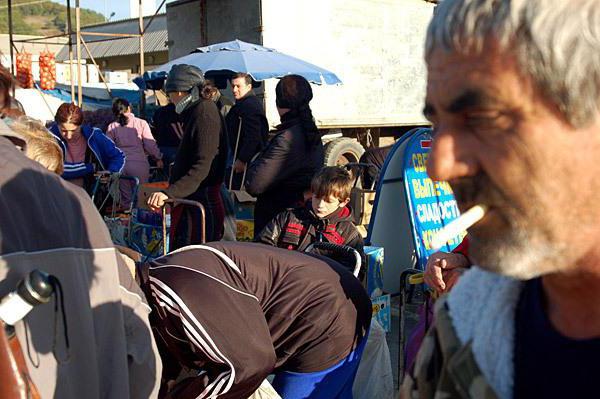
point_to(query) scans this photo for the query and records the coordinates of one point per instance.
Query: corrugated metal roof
(154, 39)
(153, 42)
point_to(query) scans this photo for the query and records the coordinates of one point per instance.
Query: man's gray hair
(556, 42)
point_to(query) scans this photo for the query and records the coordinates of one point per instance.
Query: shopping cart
(150, 233)
(106, 196)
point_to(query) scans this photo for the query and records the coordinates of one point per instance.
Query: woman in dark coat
(199, 165)
(280, 177)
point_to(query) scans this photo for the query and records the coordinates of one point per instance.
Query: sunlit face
(499, 142)
(176, 96)
(240, 88)
(323, 207)
(69, 131)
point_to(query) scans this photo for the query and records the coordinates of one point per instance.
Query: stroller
(107, 198)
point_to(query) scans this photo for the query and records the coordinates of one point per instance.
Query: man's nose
(450, 158)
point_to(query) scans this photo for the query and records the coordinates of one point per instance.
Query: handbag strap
(237, 143)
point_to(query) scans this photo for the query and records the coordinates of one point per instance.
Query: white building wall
(148, 8)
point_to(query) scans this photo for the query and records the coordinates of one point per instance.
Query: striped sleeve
(78, 169)
(214, 381)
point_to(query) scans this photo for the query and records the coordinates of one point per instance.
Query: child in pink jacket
(132, 135)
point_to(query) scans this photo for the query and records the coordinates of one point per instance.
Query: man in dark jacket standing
(246, 119)
(200, 161)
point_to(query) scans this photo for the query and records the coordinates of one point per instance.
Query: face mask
(187, 100)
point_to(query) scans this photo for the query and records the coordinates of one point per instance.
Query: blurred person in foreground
(9, 106)
(98, 343)
(40, 146)
(513, 93)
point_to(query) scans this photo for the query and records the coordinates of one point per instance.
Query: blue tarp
(133, 96)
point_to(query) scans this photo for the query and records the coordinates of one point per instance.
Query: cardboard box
(382, 311)
(375, 256)
(244, 210)
(117, 76)
(245, 230)
(93, 74)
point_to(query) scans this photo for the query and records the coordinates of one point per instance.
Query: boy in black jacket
(325, 218)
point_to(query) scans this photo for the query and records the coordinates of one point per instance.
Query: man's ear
(344, 203)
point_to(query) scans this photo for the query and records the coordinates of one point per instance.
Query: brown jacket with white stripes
(236, 312)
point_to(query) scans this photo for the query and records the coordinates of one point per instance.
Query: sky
(106, 7)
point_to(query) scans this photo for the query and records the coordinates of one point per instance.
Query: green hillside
(42, 17)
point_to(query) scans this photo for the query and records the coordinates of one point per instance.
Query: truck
(375, 47)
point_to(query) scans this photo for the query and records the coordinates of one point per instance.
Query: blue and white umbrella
(258, 61)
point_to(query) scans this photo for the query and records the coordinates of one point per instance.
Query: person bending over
(233, 313)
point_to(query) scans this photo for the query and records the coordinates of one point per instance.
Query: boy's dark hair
(247, 78)
(332, 180)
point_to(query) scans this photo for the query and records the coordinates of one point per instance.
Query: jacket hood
(86, 131)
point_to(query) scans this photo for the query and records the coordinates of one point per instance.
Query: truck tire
(342, 151)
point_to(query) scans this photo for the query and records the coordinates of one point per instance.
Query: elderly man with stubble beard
(513, 93)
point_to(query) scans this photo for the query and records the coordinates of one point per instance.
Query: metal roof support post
(70, 33)
(78, 39)
(97, 66)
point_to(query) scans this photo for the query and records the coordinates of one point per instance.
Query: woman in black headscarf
(280, 177)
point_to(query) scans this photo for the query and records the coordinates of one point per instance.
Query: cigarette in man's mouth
(458, 225)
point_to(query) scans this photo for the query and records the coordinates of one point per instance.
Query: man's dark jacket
(255, 128)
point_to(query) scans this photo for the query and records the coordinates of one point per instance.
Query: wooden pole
(78, 38)
(141, 30)
(10, 39)
(97, 66)
(90, 33)
(155, 14)
(70, 32)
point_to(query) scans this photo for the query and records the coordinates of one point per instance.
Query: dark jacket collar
(247, 96)
(341, 215)
(288, 120)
